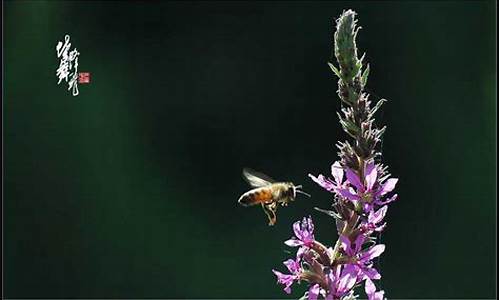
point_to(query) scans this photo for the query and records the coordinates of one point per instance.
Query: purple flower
(352, 249)
(304, 237)
(367, 189)
(314, 291)
(374, 220)
(361, 260)
(361, 191)
(329, 184)
(340, 281)
(371, 291)
(369, 206)
(287, 280)
(304, 233)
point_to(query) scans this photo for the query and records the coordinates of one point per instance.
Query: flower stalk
(360, 184)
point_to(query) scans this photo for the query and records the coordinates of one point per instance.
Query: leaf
(359, 65)
(349, 127)
(340, 224)
(331, 213)
(364, 77)
(357, 68)
(335, 70)
(377, 106)
(362, 57)
(304, 297)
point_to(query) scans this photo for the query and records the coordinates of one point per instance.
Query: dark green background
(130, 189)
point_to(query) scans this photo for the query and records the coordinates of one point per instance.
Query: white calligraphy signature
(68, 66)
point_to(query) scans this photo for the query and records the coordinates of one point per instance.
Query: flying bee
(268, 193)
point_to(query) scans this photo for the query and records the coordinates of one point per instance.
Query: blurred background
(129, 190)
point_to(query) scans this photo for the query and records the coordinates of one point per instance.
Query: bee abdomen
(255, 197)
(245, 200)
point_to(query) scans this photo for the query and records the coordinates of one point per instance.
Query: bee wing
(256, 179)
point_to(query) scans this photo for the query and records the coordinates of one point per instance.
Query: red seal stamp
(84, 77)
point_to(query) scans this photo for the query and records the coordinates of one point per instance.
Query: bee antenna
(303, 193)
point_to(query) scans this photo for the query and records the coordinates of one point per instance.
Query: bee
(268, 193)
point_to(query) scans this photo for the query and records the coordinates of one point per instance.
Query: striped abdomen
(256, 196)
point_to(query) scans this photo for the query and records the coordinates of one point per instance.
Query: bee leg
(270, 210)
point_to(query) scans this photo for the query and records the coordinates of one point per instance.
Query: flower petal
(378, 216)
(285, 279)
(380, 228)
(337, 172)
(309, 226)
(313, 292)
(388, 186)
(360, 239)
(370, 288)
(349, 194)
(393, 198)
(378, 296)
(287, 289)
(301, 252)
(371, 253)
(371, 291)
(323, 182)
(371, 273)
(293, 243)
(353, 178)
(370, 175)
(345, 243)
(306, 230)
(296, 229)
(367, 207)
(292, 266)
(350, 268)
(346, 282)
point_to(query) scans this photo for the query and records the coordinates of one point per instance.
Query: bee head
(290, 190)
(296, 189)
